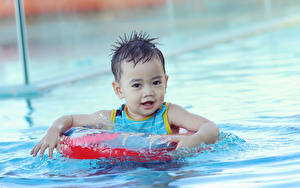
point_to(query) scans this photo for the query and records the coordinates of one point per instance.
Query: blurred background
(235, 62)
(72, 38)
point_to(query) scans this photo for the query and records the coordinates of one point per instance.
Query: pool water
(249, 87)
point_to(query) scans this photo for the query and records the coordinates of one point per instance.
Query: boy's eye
(136, 85)
(156, 82)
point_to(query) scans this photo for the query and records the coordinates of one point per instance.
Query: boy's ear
(167, 80)
(117, 89)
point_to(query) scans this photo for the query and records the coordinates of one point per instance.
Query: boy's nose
(148, 91)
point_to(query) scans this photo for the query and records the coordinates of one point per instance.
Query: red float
(85, 143)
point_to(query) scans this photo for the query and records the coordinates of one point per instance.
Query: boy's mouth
(148, 104)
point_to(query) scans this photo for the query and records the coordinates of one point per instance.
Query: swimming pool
(249, 87)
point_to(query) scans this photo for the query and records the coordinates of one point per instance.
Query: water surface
(249, 87)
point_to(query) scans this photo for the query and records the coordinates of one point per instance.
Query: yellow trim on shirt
(166, 121)
(113, 115)
(126, 112)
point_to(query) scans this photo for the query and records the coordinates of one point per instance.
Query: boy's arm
(204, 130)
(51, 140)
(99, 120)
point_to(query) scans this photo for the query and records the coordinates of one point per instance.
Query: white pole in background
(21, 27)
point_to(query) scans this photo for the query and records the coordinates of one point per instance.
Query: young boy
(140, 78)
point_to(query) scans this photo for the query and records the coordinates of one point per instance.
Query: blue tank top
(156, 123)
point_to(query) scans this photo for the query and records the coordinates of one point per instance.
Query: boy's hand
(51, 140)
(188, 141)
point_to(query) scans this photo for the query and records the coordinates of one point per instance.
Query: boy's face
(143, 87)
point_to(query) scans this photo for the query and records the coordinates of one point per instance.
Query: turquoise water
(249, 87)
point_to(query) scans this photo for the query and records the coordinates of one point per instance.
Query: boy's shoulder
(176, 111)
(175, 108)
(178, 116)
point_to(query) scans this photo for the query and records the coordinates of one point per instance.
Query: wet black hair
(135, 47)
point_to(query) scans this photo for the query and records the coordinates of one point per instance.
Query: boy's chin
(148, 113)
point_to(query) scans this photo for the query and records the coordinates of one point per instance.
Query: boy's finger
(36, 149)
(32, 150)
(43, 148)
(173, 139)
(51, 152)
(58, 148)
(179, 145)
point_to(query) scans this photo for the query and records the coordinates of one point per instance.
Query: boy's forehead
(141, 68)
(132, 65)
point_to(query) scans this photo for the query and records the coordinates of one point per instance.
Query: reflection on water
(28, 117)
